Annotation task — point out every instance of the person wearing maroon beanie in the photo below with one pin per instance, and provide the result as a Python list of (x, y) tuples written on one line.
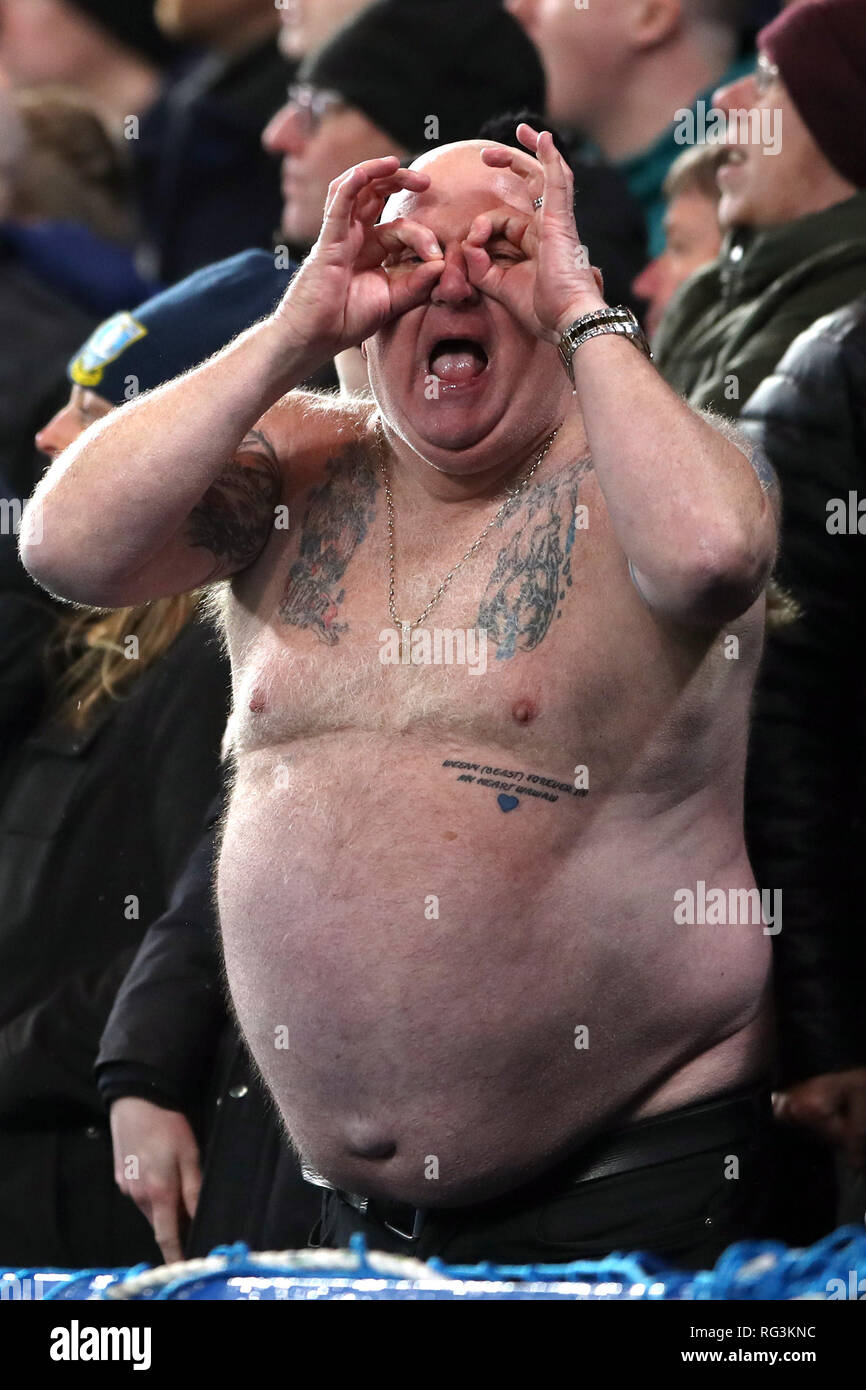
[(819, 47), (792, 175)]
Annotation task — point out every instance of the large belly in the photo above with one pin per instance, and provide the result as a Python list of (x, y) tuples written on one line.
[(444, 992)]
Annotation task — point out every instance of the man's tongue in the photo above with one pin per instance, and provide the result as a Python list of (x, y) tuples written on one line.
[(457, 360)]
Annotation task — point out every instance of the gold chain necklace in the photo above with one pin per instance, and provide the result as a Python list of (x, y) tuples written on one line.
[(407, 627)]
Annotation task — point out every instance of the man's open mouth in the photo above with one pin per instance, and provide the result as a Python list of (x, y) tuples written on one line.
[(457, 361)]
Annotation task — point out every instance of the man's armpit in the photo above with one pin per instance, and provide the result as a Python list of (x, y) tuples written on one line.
[(235, 517)]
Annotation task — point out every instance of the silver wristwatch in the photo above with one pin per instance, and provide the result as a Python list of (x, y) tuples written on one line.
[(619, 320)]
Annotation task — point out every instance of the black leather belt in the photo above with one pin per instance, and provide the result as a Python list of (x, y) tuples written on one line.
[(410, 1216), (692, 1130)]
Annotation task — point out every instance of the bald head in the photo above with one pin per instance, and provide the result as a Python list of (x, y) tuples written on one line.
[(458, 175)]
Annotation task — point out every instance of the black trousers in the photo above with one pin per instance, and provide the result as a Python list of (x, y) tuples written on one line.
[(683, 1185)]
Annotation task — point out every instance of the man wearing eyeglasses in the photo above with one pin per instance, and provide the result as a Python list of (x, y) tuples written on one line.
[(318, 132), (793, 208), (392, 81)]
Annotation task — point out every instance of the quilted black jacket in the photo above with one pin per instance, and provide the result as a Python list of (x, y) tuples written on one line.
[(805, 819)]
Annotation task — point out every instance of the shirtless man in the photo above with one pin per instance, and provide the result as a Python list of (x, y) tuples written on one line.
[(449, 895)]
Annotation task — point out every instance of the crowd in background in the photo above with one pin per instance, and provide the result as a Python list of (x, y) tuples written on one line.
[(163, 170)]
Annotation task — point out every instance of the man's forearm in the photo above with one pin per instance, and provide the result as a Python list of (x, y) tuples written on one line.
[(687, 507), (120, 492)]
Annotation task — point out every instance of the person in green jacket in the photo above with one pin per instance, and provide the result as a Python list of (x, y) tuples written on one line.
[(794, 220)]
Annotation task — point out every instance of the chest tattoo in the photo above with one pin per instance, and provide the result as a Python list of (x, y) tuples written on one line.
[(532, 573), (337, 518), (234, 518)]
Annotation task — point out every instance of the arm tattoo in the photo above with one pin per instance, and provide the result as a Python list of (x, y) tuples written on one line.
[(764, 469), (235, 516), (338, 516), (753, 451), (533, 570)]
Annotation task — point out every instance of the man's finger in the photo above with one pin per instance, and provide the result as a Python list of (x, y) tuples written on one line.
[(166, 1230), (377, 178), (408, 291), (349, 184), (343, 194), (478, 265), (376, 195), (403, 233), (818, 1112), (516, 227), (558, 181), (528, 137), (393, 238), (190, 1184), (500, 157)]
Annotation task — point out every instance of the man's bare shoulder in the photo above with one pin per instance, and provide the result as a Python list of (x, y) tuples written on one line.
[(307, 428), (303, 435)]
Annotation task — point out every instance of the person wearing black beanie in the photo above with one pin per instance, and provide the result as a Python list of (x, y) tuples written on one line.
[(430, 72), (394, 81)]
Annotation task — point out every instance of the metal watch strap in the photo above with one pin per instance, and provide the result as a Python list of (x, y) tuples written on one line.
[(618, 320)]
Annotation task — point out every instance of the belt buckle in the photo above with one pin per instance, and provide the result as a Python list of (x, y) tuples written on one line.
[(417, 1226), (309, 1174)]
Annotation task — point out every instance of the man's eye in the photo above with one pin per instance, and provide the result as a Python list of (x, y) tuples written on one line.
[(505, 253)]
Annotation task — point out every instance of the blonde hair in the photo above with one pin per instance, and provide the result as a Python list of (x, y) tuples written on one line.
[(73, 168), (95, 666), (694, 171)]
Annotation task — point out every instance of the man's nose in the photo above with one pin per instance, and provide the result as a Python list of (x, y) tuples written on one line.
[(647, 284), (284, 132), (739, 94), (44, 441), (454, 285)]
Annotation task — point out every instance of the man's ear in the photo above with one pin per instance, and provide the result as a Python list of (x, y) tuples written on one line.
[(364, 351), (654, 21)]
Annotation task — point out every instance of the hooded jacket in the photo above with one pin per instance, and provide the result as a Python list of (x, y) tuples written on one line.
[(728, 326)]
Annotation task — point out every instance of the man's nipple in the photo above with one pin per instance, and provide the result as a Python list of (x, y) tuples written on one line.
[(524, 711), (257, 702)]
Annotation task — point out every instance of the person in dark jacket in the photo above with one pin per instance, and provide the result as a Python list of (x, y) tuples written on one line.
[(807, 766), (206, 189), (99, 810), (172, 1068), (97, 818), (184, 1094), (792, 204)]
